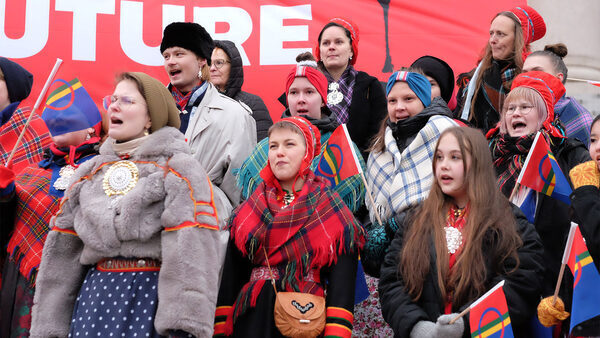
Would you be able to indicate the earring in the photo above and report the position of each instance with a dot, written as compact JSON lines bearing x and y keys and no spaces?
{"x":350,"y":57}
{"x":200,"y":74}
{"x":146,"y":132}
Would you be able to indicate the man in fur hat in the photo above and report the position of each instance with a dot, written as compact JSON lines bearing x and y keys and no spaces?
{"x":220,"y":131}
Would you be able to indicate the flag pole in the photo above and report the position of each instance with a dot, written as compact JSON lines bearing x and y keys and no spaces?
{"x":565,"y":259}
{"x":460,"y":315}
{"x":35,"y":107}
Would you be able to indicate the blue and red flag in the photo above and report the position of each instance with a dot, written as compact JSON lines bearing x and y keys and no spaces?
{"x":489,"y":315}
{"x":70,"y":108}
{"x":586,"y":294}
{"x":339,"y":160}
{"x":542,"y":173}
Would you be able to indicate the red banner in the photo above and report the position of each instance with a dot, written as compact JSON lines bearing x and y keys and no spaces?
{"x":100,"y":38}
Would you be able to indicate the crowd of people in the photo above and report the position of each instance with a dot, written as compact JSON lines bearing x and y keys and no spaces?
{"x":188,"y":213}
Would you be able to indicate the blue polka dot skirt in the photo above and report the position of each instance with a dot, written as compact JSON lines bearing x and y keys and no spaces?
{"x":116,"y":304}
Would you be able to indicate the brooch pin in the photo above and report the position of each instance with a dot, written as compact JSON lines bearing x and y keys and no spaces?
{"x":120,"y":178}
{"x":334,"y":96}
{"x":453,"y":239}
{"x":64,"y":175}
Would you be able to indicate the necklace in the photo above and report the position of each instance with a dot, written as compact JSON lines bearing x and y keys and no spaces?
{"x":334,"y":97}
{"x":288,"y":198}
{"x":65,"y":173}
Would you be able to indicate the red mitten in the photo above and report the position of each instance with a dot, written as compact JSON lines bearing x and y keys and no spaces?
{"x":7,"y":176}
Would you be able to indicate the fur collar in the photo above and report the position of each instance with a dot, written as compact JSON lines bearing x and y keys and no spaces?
{"x":166,"y":142}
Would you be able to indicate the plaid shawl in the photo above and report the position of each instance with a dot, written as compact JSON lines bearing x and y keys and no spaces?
{"x":576,"y":119}
{"x":351,"y":190}
{"x":35,"y":140}
{"x":37,"y":202}
{"x":346,"y":87}
{"x":509,"y":154}
{"x":309,"y":234}
{"x":400,"y":180}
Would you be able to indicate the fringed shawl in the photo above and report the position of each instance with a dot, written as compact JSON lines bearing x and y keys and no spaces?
{"x":307,"y":235}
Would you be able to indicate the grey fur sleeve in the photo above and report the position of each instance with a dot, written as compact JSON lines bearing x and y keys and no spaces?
{"x":58,"y":281}
{"x":192,"y":252}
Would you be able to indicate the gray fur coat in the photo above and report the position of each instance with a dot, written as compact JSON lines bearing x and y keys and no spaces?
{"x":169,"y":215}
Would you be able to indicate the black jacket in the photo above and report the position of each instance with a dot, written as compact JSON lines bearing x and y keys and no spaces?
{"x":367,"y":111}
{"x":522,"y":287}
{"x":233,"y":89}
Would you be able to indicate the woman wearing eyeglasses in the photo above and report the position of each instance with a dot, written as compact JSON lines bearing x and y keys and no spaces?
{"x":227,"y":74}
{"x":138,"y":224}
{"x":529,"y":108}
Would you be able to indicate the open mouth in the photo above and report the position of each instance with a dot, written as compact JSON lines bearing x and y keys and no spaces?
{"x":115,"y":120}
{"x":174,"y":72}
{"x":519,"y":125}
{"x":302,"y":111}
{"x":446,"y":179}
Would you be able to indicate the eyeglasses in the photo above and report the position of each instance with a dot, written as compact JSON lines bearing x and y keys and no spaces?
{"x":122,"y":101}
{"x":524,"y":109}
{"x":219,"y":63}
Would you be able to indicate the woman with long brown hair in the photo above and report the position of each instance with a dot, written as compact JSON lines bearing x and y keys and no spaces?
{"x":482,"y":91}
{"x":462,"y":240}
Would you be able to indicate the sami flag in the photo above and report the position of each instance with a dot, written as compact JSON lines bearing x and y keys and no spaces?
{"x":542,"y":173}
{"x":526,"y":200}
{"x":339,"y":160}
{"x":586,"y":295}
{"x":69,"y":108}
{"x":489,"y":315}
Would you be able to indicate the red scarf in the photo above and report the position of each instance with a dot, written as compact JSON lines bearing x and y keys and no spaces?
{"x":457,"y":219}
{"x":309,"y":234}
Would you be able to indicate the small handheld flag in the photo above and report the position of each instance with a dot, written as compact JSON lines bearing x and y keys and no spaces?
{"x":595,"y":83}
{"x":339,"y":160}
{"x":489,"y":315}
{"x":586,"y":279}
{"x":542,"y":173}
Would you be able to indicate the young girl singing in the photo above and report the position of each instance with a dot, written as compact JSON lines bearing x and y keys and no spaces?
{"x":458,"y":244}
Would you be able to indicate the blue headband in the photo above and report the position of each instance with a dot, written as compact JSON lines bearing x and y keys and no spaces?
{"x":416,"y":82}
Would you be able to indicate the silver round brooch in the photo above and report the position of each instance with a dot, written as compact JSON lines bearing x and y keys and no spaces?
{"x":120,"y":178}
{"x":64,"y":175}
{"x":453,"y":239}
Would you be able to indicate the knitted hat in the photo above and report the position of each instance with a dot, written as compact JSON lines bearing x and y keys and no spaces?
{"x":18,"y":80}
{"x":532,"y":23}
{"x":550,"y":89}
{"x":188,"y":35}
{"x":416,"y":82}
{"x":312,"y":139}
{"x":440,"y":71}
{"x":350,"y":27}
{"x":161,"y":106}
{"x":314,"y":76}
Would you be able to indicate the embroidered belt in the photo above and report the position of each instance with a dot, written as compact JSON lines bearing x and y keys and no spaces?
{"x":128,"y":264}
{"x":263,"y":273}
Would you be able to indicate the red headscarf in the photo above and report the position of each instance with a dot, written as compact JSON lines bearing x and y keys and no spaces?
{"x":350,"y":27}
{"x":549,"y":87}
{"x":314,"y":76}
{"x":532,"y":23}
{"x":312,"y":139}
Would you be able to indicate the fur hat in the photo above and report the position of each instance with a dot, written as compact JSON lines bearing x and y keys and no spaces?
{"x":18,"y":80}
{"x":417,"y":83}
{"x":312,"y":140}
{"x":161,"y":106}
{"x":440,"y":71}
{"x":350,"y":27}
{"x":314,"y":76}
{"x":188,"y":35}
{"x":532,"y":23}
{"x":549,"y":87}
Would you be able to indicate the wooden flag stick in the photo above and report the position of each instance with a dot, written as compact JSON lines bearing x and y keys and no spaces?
{"x":514,"y":191}
{"x":35,"y":107}
{"x":580,"y":80}
{"x":362,"y":175}
{"x":565,"y":259}
{"x":460,"y":315}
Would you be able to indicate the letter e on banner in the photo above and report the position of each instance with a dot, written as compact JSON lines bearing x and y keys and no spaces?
{"x":273,"y":33}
